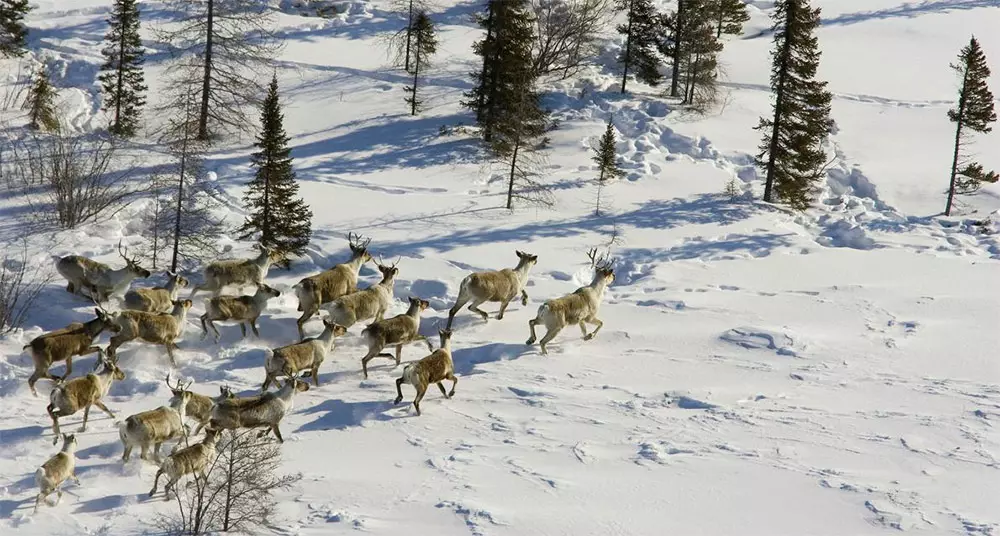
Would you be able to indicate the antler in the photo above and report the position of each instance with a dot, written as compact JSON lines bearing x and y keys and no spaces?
{"x":381,"y":262}
{"x":601,"y":263}
{"x":124,"y":254}
{"x":358,"y":241}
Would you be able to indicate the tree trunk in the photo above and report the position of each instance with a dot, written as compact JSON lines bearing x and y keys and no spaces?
{"x":513,"y":167}
{"x":409,"y":36}
{"x":675,"y":76}
{"x":121,"y":75}
{"x":266,"y":237}
{"x":416,"y":73}
{"x":206,"y":82}
{"x":180,"y":200}
{"x":486,"y":58}
{"x":494,"y":78}
{"x":628,"y":48}
{"x":958,"y":141}
{"x":779,"y":99}
{"x":721,"y":21}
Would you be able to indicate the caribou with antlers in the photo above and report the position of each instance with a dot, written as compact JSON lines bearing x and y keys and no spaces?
{"x":98,"y":278}
{"x":326,"y":286}
{"x":580,"y":307}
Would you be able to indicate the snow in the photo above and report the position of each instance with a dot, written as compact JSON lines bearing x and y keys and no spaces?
{"x":760,"y":371}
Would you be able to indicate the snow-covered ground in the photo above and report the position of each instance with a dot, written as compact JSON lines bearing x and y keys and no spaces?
{"x":759,"y":371}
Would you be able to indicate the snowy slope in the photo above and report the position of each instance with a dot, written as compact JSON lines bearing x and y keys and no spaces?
{"x":759,"y":372}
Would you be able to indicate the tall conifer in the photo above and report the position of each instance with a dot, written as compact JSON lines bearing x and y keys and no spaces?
{"x":276,"y":211}
{"x":975,"y":113}
{"x":791,"y":152}
{"x":122,"y":78}
{"x":424,"y":46}
{"x":13,"y":32}
{"x":729,"y":16}
{"x":640,"y":31}
{"x":40,"y":102}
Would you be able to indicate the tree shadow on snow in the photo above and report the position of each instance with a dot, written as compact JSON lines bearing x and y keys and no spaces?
{"x":403,"y":143}
{"x":704,"y":209}
{"x":337,"y":414}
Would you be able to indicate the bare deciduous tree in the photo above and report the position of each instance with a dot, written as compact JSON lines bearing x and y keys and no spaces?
{"x":65,"y":178}
{"x":236,"y":494}
{"x":221,"y":47}
{"x":567,"y":33}
{"x":20,"y":284}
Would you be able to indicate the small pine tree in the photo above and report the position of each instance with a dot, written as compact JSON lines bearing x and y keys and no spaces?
{"x":13,"y":32}
{"x":974,"y":112}
{"x":40,"y":103}
{"x":606,"y":158}
{"x":732,"y":189}
{"x":424,"y":46}
{"x":729,"y":16}
{"x":791,"y":152}
{"x":640,"y":31}
{"x":122,"y":78}
{"x":282,"y":218}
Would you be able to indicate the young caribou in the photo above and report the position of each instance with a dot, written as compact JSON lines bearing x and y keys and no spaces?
{"x":50,"y":476}
{"x":186,"y":461}
{"x":371,"y":302}
{"x":62,"y":344}
{"x":580,"y":307}
{"x":244,"y":309}
{"x":238,"y":272}
{"x":156,"y":299}
{"x":395,"y":331}
{"x":494,"y":286}
{"x":326,"y":286}
{"x":162,"y":329}
{"x":98,"y":278}
{"x":306,"y":355}
{"x":69,"y":397}
{"x":434,"y":368}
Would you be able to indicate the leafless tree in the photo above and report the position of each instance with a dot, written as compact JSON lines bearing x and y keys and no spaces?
{"x":20,"y":284}
{"x":221,"y":47}
{"x":567,"y":33}
{"x":66,"y":178}
{"x":236,"y":494}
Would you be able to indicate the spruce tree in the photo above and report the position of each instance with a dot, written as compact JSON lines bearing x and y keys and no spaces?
{"x":504,"y":91}
{"x":40,"y":103}
{"x":699,"y":62}
{"x":606,"y":158}
{"x":640,"y":31}
{"x":424,"y":46}
{"x":974,"y":112}
{"x":275,"y":209}
{"x":791,"y":152}
{"x":729,"y":16}
{"x":13,"y":32}
{"x":122,"y":78}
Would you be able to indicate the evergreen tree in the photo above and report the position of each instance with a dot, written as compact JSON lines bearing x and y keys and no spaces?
{"x":729,"y":17}
{"x":504,"y":91}
{"x":424,"y":46}
{"x":791,"y":152}
{"x":699,"y":62}
{"x":640,"y":31}
{"x":13,"y":32}
{"x":122,"y":78}
{"x":606,"y":158}
{"x":40,"y":103}
{"x":974,"y":112}
{"x":276,"y":211}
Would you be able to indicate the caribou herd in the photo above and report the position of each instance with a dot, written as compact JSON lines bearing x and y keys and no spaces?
{"x":158,"y":316}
